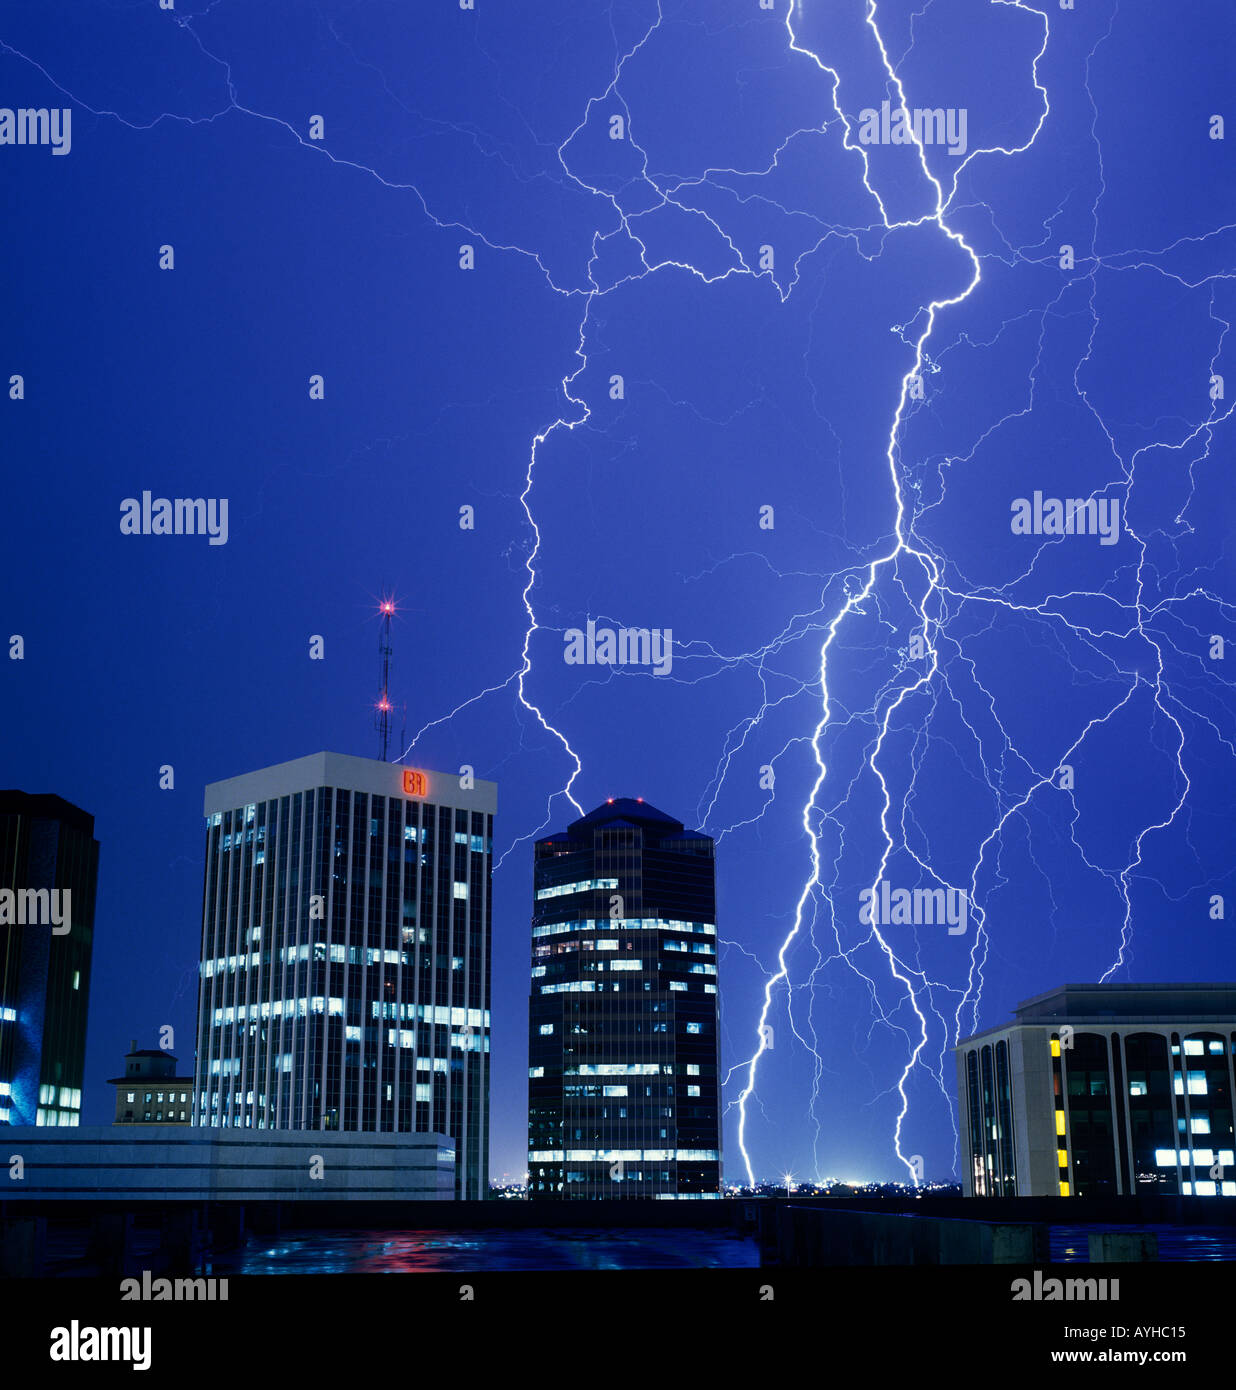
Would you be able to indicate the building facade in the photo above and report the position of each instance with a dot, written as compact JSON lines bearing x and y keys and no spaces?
{"x":623,"y":1096}
{"x":49,"y":866}
{"x":1103,"y":1090}
{"x":150,"y":1092}
{"x":345,"y":971}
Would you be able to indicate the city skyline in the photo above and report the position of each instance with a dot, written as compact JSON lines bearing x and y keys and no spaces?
{"x":405,"y":782}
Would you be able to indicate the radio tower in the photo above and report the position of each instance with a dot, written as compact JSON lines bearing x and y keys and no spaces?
{"x":383,"y":720}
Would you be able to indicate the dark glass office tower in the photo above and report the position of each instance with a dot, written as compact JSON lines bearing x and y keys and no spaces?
{"x":623,"y":1057}
{"x":49,"y":865}
{"x":346,"y":953}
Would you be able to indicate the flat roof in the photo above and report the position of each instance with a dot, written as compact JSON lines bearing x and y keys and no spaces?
{"x":353,"y":774}
{"x":45,"y":806}
{"x":1194,"y":1002}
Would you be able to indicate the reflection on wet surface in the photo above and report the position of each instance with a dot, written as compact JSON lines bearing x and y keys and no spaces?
{"x":406,"y":1252}
{"x":1070,"y":1244}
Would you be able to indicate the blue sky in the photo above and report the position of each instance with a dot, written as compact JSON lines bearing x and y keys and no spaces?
{"x":761,"y":281}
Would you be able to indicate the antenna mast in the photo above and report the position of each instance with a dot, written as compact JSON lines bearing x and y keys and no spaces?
{"x":383,"y":720}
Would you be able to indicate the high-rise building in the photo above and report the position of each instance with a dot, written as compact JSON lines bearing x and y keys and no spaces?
{"x":623,"y":1050}
{"x":150,"y":1092}
{"x":1102,"y":1090}
{"x":346,"y":953}
{"x":49,"y":866}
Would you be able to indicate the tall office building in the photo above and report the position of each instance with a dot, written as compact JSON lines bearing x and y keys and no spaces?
{"x":346,"y":953}
{"x":1101,"y":1090}
{"x":49,"y":866}
{"x":623,"y":1056}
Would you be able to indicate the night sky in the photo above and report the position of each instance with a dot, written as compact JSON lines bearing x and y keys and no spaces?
{"x":904,"y":663}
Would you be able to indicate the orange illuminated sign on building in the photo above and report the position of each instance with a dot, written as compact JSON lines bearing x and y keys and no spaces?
{"x":415,"y":783}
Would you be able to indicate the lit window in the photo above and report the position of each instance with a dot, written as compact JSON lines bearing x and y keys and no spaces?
{"x":130,"y":1096}
{"x":461,"y":890}
{"x":546,"y":1028}
{"x":695,"y":1027}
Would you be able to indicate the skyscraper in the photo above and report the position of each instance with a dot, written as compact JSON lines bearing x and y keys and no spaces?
{"x":49,"y":865}
{"x":1101,"y":1090}
{"x":623,"y":1051}
{"x":346,"y":953}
